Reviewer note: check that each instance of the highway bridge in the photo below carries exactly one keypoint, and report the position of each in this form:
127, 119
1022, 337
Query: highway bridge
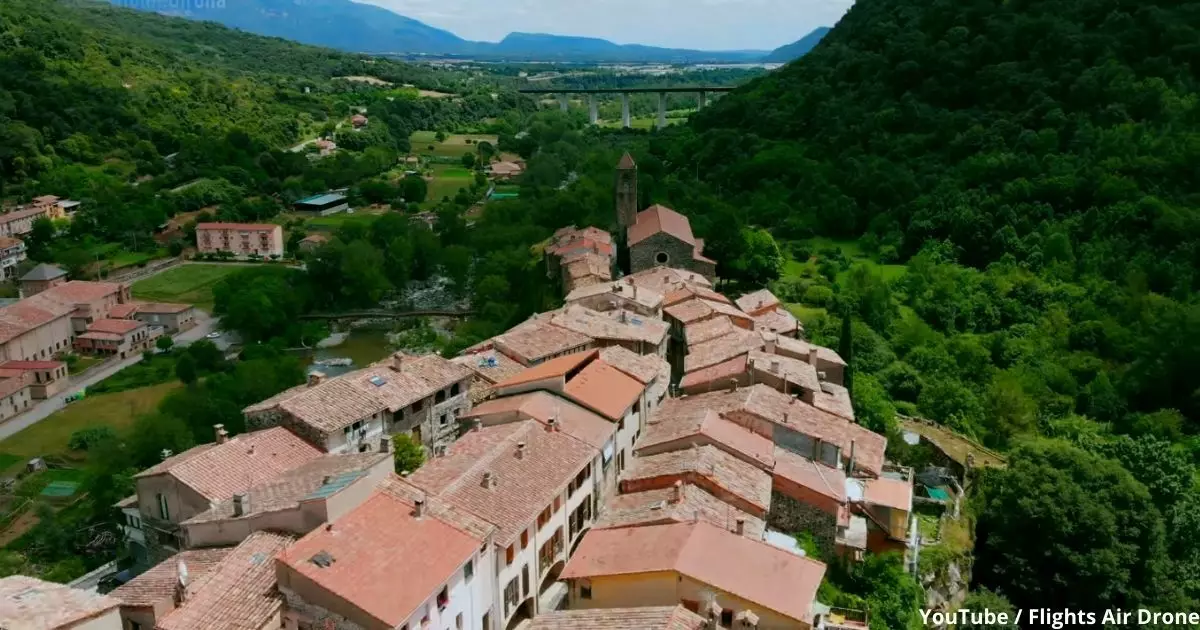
564, 95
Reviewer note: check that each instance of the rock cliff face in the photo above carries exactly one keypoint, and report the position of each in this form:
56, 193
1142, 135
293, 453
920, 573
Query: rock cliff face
946, 589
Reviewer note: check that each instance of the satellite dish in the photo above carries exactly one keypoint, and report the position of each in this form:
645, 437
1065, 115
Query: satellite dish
183, 573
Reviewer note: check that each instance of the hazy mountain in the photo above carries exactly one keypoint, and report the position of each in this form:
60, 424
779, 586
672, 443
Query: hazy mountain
798, 49
337, 24
355, 27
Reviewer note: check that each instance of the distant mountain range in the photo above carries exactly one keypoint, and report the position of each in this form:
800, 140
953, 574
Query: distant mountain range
798, 49
356, 27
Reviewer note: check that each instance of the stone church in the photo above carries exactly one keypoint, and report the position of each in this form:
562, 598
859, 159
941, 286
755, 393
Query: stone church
657, 236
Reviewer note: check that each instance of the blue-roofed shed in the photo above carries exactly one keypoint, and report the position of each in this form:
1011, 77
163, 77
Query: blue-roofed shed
323, 204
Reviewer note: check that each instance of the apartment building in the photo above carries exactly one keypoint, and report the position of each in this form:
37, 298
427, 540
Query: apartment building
241, 240
119, 338
537, 483
46, 378
173, 318
422, 396
12, 253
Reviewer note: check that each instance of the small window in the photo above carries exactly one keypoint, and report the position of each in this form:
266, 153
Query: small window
727, 618
585, 591
417, 406
662, 258
458, 622
524, 539
163, 511
442, 420
509, 554
455, 389
469, 570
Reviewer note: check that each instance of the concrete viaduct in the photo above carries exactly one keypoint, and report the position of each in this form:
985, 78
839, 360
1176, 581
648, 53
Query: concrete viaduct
626, 120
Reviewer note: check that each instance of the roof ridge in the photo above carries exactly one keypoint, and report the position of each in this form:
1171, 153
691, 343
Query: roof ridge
489, 458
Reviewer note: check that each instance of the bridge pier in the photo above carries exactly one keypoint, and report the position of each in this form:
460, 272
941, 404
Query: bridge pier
662, 110
593, 110
703, 100
564, 102
626, 118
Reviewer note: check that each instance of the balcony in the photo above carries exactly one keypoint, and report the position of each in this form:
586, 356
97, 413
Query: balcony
844, 619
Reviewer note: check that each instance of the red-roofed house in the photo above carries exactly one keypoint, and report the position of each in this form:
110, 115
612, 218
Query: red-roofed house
46, 378
12, 252
173, 318
699, 566
661, 236
243, 240
117, 338
399, 560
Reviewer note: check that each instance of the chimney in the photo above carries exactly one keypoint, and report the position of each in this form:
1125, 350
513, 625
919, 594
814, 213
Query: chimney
405, 473
635, 291
770, 341
385, 444
850, 464
419, 508
520, 450
326, 479
552, 424
740, 528
624, 317
315, 378
812, 357
241, 504
181, 583
714, 614
666, 278
677, 492
733, 385
774, 366
219, 431
489, 480
398, 361
821, 375
477, 425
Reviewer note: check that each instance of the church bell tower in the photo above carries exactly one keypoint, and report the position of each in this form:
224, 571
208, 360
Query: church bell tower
627, 195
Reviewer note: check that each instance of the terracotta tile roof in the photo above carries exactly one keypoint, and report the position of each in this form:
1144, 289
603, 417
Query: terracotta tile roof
45, 200
707, 330
801, 350
660, 219
760, 573
32, 365
315, 238
869, 447
620, 292
27, 603
491, 366
114, 326
643, 367
162, 307
616, 325
7, 242
726, 471
286, 490
218, 471
758, 302
778, 321
667, 279
14, 384
552, 369
23, 213
690, 311
710, 428
28, 314
829, 482
523, 486
589, 264
237, 226
659, 506
650, 618
835, 399
569, 233
122, 311
797, 373
78, 292
341, 401
759, 401
537, 339
689, 291
626, 162
716, 377
721, 349
157, 585
570, 418
386, 560
240, 592
888, 492
605, 389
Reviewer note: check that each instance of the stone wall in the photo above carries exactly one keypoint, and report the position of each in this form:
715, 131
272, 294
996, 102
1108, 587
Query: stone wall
644, 255
792, 517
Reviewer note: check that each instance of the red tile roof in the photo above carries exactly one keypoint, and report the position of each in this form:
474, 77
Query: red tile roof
237, 226
387, 561
869, 447
78, 292
716, 377
122, 311
626, 162
571, 419
719, 350
826, 481
709, 427
32, 365
649, 618
888, 492
554, 368
661, 219
157, 585
666, 279
525, 481
240, 592
114, 326
605, 389
662, 505
162, 307
218, 471
762, 574
727, 472
536, 339
643, 367
27, 603
757, 302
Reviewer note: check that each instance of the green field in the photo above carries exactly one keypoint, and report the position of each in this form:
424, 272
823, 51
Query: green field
851, 250
454, 146
50, 436
335, 221
446, 182
189, 284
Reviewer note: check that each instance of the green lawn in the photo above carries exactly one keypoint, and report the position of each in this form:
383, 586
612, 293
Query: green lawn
335, 221
447, 180
50, 436
82, 364
454, 146
189, 284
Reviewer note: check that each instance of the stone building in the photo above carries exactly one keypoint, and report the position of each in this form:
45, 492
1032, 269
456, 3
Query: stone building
663, 237
627, 194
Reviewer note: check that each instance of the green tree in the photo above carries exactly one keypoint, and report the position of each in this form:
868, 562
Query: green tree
846, 350
982, 599
414, 189
164, 343
468, 160
407, 452
185, 369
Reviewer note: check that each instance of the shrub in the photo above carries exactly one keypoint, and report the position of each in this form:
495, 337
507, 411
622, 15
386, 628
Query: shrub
818, 296
85, 439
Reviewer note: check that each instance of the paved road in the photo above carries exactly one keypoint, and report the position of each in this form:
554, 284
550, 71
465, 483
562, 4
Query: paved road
204, 325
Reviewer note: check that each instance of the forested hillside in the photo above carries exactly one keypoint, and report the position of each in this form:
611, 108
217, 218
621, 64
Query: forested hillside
1034, 165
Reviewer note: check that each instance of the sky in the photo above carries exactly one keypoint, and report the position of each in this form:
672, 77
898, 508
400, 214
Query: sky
699, 24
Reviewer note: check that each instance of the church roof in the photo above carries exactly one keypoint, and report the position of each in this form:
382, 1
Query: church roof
626, 162
661, 219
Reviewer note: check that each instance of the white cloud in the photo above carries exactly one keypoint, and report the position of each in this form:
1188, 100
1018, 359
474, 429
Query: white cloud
704, 24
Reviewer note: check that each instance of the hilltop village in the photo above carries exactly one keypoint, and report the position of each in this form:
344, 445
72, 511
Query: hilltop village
646, 453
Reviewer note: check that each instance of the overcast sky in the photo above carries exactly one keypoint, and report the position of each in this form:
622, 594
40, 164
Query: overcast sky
702, 24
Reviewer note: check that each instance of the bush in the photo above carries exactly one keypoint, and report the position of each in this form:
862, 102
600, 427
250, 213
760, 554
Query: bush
85, 439
818, 296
